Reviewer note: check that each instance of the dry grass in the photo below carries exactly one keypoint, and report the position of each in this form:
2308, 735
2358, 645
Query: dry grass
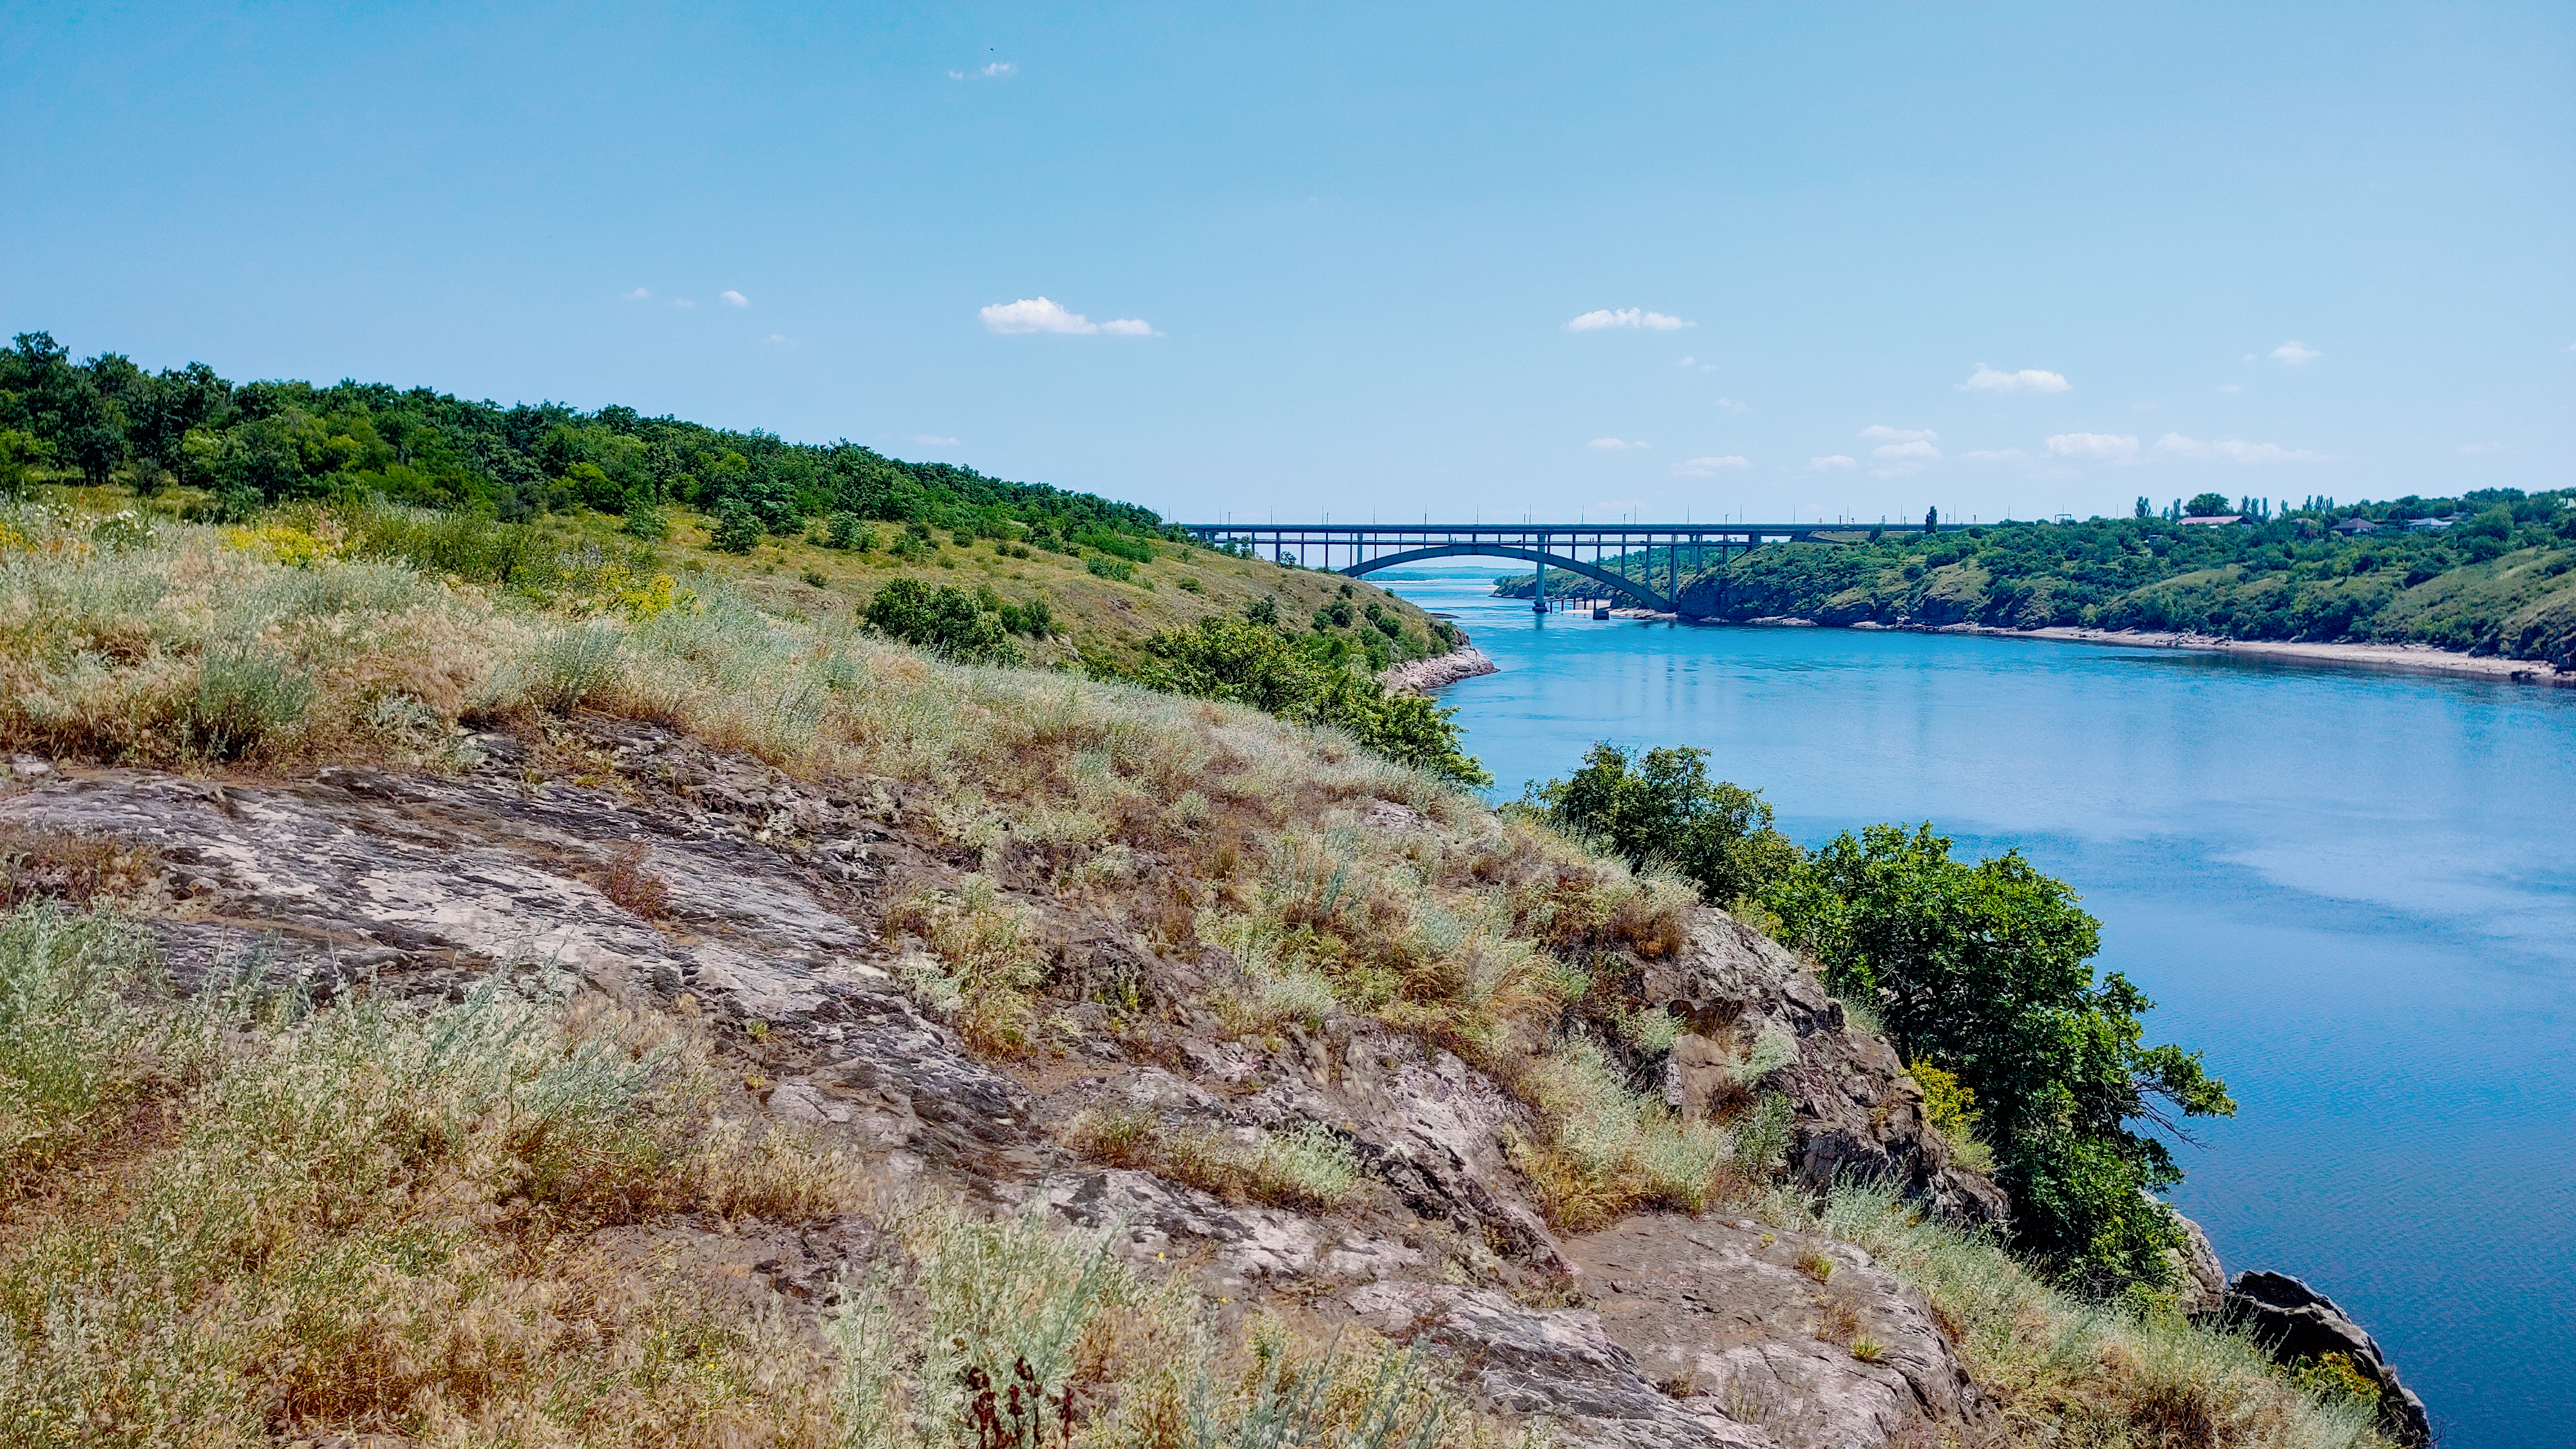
2068, 1371
1016, 1334
1206, 823
77, 869
365, 1218
1308, 1168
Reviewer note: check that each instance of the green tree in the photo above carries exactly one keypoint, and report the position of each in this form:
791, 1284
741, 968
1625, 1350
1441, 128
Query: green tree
1985, 970
1664, 807
2206, 505
21, 454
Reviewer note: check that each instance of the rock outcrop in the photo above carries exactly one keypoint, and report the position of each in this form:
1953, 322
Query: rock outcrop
1421, 676
765, 917
2298, 1325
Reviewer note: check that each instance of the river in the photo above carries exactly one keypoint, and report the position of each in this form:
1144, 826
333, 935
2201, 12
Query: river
2352, 889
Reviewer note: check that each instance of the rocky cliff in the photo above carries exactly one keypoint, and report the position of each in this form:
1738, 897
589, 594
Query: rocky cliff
766, 917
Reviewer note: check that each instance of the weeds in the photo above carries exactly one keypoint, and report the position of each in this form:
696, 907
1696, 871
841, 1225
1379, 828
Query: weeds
1012, 1333
1309, 1167
2054, 1361
983, 960
368, 1217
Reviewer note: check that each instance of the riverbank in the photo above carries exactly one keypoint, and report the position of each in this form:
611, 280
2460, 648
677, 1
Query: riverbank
2420, 658
1421, 676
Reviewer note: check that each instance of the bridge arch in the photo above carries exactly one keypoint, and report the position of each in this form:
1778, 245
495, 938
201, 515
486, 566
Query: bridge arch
1630, 587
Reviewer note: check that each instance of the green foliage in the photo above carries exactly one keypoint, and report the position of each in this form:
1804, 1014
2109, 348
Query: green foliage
22, 456
2501, 579
258, 443
1985, 972
1263, 610
1106, 567
947, 621
737, 530
1134, 550
1236, 659
1663, 807
2205, 505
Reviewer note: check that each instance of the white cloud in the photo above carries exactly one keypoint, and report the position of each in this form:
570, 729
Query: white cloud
778, 337
1731, 405
2476, 448
1627, 317
1615, 445
2291, 354
1886, 434
1828, 465
2029, 379
1995, 455
933, 440
1002, 68
1685, 362
1037, 314
2229, 387
639, 295
1709, 467
1918, 448
732, 298
2094, 447
2232, 450
683, 302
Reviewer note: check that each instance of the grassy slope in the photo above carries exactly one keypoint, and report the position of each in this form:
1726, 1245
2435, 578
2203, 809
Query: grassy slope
1109, 616
1196, 822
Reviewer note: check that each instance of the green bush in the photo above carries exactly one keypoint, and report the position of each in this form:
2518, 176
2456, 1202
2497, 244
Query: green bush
1116, 545
1111, 568
1663, 807
737, 531
947, 621
1236, 659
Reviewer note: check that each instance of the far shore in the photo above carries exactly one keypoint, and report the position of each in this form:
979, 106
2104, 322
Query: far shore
2422, 658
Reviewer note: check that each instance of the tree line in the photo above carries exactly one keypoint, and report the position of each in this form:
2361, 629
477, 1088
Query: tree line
247, 445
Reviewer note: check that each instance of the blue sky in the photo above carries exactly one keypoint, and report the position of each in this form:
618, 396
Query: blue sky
1844, 260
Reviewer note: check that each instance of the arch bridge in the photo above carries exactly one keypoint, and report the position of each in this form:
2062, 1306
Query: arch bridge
1607, 553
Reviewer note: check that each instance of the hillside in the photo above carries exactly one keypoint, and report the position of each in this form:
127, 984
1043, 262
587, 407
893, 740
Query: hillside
2498, 577
812, 531
440, 1012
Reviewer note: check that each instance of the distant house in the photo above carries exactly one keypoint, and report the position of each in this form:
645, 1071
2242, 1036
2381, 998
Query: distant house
2426, 525
2212, 520
2352, 527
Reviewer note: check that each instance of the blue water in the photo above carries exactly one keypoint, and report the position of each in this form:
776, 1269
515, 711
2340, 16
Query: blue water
2353, 889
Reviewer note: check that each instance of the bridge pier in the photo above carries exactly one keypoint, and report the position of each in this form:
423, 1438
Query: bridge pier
1538, 596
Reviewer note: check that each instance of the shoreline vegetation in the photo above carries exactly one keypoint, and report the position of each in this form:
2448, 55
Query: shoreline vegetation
2488, 575
2416, 658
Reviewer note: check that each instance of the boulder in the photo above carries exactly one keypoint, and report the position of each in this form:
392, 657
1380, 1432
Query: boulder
2297, 1324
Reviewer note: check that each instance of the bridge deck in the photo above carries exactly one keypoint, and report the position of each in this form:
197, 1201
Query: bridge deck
1369, 547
